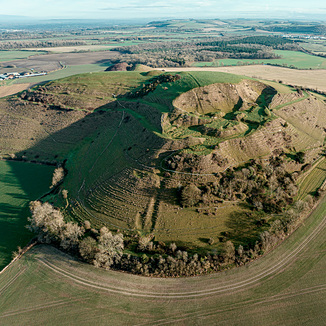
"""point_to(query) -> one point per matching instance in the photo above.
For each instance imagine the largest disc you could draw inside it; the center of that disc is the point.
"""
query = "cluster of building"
(14, 75)
(305, 36)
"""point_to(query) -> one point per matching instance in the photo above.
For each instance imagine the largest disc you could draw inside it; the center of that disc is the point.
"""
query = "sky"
(151, 9)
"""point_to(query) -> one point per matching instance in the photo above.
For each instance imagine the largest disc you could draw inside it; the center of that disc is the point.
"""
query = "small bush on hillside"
(190, 195)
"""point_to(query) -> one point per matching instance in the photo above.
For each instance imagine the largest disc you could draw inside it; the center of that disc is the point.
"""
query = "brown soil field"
(67, 49)
(50, 62)
(307, 78)
(13, 89)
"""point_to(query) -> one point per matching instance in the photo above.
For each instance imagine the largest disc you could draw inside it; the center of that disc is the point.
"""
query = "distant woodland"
(167, 54)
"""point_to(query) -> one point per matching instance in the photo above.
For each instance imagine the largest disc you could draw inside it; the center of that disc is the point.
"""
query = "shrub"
(190, 195)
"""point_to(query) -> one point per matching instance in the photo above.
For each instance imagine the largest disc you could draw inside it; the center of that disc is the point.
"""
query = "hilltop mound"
(222, 97)
(183, 157)
(142, 68)
(121, 66)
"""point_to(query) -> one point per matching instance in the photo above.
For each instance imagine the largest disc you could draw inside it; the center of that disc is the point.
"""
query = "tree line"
(176, 53)
(104, 249)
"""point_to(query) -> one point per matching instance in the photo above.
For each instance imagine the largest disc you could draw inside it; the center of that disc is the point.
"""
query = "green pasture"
(294, 59)
(19, 184)
(17, 54)
(62, 73)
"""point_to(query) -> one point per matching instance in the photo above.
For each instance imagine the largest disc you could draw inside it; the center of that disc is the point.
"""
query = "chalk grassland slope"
(286, 287)
(123, 186)
(41, 129)
(128, 194)
(19, 184)
(314, 180)
(117, 147)
(304, 78)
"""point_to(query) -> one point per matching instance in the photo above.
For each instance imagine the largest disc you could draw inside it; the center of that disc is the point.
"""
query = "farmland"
(189, 176)
(287, 286)
(19, 183)
(54, 62)
(16, 55)
(304, 78)
(65, 72)
(13, 89)
(288, 59)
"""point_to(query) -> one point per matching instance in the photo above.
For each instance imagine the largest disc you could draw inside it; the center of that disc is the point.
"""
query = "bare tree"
(58, 176)
(46, 221)
(110, 249)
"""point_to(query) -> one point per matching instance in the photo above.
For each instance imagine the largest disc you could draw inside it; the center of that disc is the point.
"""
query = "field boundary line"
(282, 263)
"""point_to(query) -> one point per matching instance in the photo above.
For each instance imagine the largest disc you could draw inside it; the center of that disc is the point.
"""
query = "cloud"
(140, 6)
(158, 8)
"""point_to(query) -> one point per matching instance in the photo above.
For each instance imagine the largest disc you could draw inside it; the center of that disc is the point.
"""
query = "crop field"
(53, 62)
(90, 47)
(62, 73)
(285, 287)
(13, 89)
(16, 55)
(317, 46)
(288, 58)
(19, 183)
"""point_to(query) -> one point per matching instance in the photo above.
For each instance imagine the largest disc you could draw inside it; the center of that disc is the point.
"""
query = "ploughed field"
(170, 155)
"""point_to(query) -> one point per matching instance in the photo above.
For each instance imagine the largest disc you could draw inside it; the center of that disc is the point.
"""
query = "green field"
(285, 287)
(19, 183)
(15, 55)
(66, 72)
(289, 58)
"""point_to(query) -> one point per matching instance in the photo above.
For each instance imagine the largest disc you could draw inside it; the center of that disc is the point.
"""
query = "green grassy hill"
(132, 141)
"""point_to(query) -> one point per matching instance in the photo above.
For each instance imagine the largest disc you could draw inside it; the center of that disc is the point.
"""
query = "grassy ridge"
(19, 183)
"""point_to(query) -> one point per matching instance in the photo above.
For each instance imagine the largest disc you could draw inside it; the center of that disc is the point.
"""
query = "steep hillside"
(190, 158)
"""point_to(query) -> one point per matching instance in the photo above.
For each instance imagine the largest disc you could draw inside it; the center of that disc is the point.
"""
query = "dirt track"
(307, 78)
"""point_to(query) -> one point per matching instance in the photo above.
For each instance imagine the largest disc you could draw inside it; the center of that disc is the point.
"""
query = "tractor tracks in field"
(281, 265)
(238, 305)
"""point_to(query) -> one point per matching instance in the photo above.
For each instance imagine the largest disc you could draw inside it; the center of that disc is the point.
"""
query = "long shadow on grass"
(243, 228)
(106, 133)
